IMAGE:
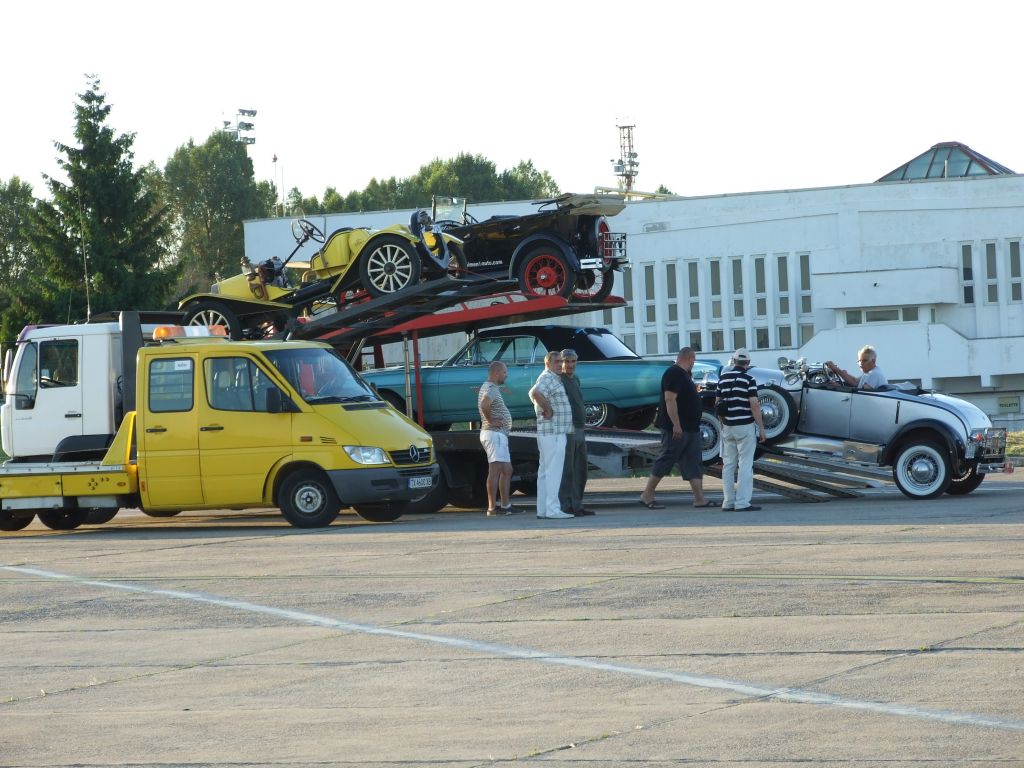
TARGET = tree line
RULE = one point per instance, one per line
(112, 236)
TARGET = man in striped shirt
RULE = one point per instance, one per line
(739, 410)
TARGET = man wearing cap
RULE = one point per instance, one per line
(740, 413)
(574, 473)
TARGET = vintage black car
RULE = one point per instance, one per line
(566, 248)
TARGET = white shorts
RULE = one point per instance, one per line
(496, 446)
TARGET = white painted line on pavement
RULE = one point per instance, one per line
(795, 695)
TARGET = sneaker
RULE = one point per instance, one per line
(583, 513)
(558, 516)
(750, 508)
(499, 512)
(512, 509)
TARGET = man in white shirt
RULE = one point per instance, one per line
(554, 422)
(871, 376)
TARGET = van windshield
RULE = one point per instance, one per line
(321, 376)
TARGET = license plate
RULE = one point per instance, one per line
(420, 482)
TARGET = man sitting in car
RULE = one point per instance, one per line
(871, 376)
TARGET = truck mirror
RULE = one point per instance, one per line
(23, 402)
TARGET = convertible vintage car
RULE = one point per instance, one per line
(566, 248)
(934, 443)
(620, 388)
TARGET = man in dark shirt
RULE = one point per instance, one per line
(574, 471)
(679, 421)
(737, 396)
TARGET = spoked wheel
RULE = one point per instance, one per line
(389, 264)
(10, 522)
(778, 412)
(599, 414)
(308, 500)
(384, 512)
(210, 313)
(710, 438)
(545, 272)
(594, 286)
(922, 470)
(62, 520)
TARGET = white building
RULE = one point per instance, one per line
(927, 270)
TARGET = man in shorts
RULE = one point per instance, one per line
(679, 422)
(495, 424)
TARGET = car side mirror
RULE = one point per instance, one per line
(278, 403)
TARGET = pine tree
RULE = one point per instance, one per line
(101, 239)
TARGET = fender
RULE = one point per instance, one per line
(953, 442)
(543, 237)
(240, 306)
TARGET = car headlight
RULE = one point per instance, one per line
(363, 454)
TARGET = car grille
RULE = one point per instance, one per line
(994, 444)
(400, 458)
(613, 246)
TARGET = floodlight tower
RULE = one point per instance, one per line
(626, 166)
(242, 129)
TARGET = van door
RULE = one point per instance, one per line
(168, 435)
(239, 442)
(48, 403)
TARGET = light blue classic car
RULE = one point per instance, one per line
(620, 388)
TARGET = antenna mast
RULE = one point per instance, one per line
(626, 166)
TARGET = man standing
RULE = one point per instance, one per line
(574, 473)
(679, 422)
(495, 424)
(739, 411)
(554, 422)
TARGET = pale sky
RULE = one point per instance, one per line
(726, 96)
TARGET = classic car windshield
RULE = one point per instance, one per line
(611, 347)
(512, 350)
(320, 376)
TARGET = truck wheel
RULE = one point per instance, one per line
(100, 516)
(599, 414)
(307, 499)
(778, 412)
(384, 512)
(967, 482)
(435, 500)
(161, 512)
(921, 470)
(208, 313)
(388, 264)
(62, 520)
(710, 438)
(8, 522)
(641, 418)
(545, 272)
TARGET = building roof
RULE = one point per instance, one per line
(948, 160)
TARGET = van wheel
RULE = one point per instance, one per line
(308, 500)
(8, 521)
(62, 520)
(100, 516)
(921, 470)
(162, 512)
(384, 512)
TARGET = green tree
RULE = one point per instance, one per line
(99, 239)
(20, 288)
(212, 190)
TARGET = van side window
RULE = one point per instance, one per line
(58, 363)
(170, 385)
(234, 384)
(26, 380)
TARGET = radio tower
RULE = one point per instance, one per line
(626, 166)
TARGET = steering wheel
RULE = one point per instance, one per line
(306, 229)
(833, 377)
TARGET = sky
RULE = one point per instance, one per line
(725, 96)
